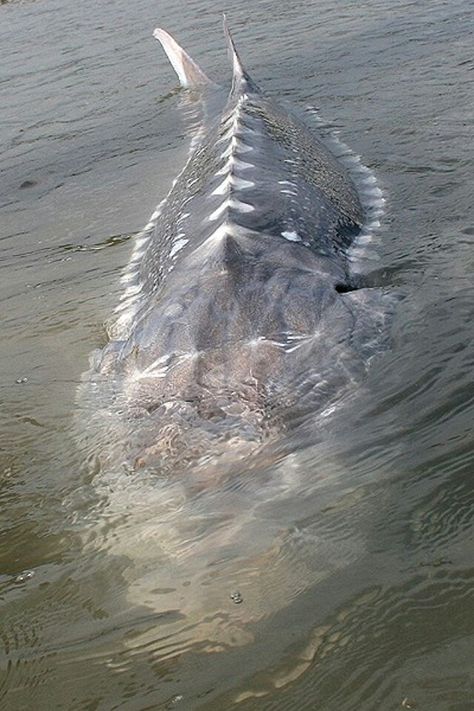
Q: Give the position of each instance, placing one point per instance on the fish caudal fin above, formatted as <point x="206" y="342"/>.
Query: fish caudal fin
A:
<point x="189" y="73"/>
<point x="240" y="77"/>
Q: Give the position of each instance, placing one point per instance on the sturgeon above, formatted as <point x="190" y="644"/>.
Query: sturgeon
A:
<point x="242" y="320"/>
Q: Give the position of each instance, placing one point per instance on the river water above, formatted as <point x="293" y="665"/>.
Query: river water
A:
<point x="350" y="583"/>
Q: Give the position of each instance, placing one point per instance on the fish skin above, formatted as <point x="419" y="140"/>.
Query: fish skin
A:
<point x="239" y="322"/>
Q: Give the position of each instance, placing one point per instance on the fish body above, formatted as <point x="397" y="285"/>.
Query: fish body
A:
<point x="240" y="321"/>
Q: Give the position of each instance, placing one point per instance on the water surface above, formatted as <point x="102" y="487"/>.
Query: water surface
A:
<point x="356" y="565"/>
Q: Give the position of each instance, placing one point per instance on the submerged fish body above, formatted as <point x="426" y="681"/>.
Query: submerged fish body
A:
<point x="241" y="329"/>
<point x="240" y="320"/>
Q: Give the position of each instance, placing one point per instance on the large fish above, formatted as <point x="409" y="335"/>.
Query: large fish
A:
<point x="241" y="320"/>
<point x="242" y="327"/>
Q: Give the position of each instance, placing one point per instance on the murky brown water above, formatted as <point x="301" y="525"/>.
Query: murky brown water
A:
<point x="355" y="558"/>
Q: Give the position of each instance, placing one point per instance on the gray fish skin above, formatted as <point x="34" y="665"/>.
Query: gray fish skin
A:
<point x="238" y="323"/>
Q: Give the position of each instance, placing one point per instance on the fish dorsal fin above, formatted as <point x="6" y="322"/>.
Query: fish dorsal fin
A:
<point x="189" y="73"/>
<point x="240" y="78"/>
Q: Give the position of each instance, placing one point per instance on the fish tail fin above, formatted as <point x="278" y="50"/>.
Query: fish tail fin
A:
<point x="189" y="73"/>
<point x="240" y="78"/>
